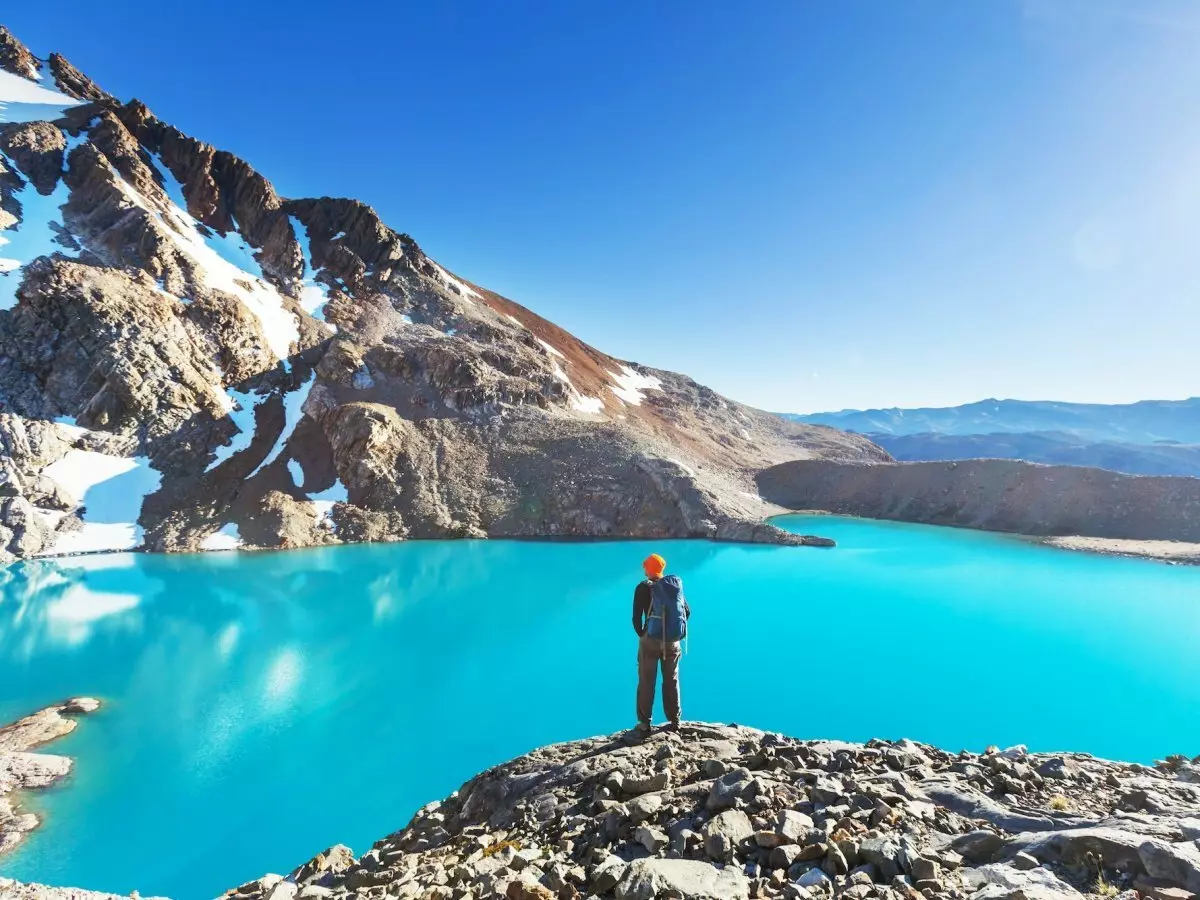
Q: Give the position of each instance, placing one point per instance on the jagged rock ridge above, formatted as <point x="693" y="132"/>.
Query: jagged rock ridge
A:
<point x="189" y="360"/>
<point x="996" y="495"/>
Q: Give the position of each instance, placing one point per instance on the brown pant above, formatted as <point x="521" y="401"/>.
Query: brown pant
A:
<point x="651" y="654"/>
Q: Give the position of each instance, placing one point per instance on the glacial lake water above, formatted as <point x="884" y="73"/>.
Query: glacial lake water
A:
<point x="261" y="707"/>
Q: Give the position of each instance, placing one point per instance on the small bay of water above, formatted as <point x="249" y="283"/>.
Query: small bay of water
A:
<point x="261" y="707"/>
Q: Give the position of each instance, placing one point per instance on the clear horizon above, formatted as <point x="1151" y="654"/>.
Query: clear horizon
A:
<point x="807" y="208"/>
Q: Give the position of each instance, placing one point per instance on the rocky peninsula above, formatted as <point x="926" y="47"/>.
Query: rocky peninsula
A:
<point x="729" y="813"/>
<point x="23" y="769"/>
<point x="1071" y="506"/>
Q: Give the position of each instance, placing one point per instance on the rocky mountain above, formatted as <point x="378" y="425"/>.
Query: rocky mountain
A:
<point x="996" y="495"/>
<point x="1051" y="447"/>
<point x="1146" y="422"/>
<point x="729" y="813"/>
<point x="189" y="360"/>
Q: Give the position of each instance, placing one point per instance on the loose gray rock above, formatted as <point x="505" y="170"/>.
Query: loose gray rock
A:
<point x="815" y="879"/>
<point x="653" y="839"/>
<point x="646" y="879"/>
<point x="792" y="826"/>
<point x="725" y="832"/>
<point x="731" y="787"/>
<point x="1000" y="882"/>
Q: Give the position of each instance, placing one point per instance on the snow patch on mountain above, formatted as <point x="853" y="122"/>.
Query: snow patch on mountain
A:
<point x="461" y="287"/>
<point x="578" y="401"/>
<point x="224" y="262"/>
<point x="24" y="100"/>
<point x="313" y="294"/>
<point x="228" y="538"/>
<point x="241" y="412"/>
<point x="551" y="349"/>
<point x="586" y="404"/>
<point x="630" y="383"/>
<point x="293" y="412"/>
<point x="110" y="491"/>
<point x="67" y="425"/>
<point x="324" y="501"/>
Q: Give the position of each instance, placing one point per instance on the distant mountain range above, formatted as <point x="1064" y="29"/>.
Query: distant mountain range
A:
<point x="1152" y="437"/>
<point x="1145" y="422"/>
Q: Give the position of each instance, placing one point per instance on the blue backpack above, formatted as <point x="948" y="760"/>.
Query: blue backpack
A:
<point x="668" y="616"/>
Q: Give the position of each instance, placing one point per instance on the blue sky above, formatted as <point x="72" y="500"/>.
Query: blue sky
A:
<point x="807" y="205"/>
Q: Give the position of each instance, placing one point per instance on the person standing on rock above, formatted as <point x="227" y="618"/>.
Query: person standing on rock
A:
<point x="660" y="616"/>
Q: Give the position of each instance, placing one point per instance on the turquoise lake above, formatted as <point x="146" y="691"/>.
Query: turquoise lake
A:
<point x="261" y="707"/>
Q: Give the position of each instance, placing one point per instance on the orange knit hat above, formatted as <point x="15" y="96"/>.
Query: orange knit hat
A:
<point x="654" y="565"/>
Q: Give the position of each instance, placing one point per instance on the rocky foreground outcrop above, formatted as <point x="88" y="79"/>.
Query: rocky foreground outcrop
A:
<point x="190" y="361"/>
<point x="728" y="813"/>
<point x="997" y="495"/>
<point x="23" y="769"/>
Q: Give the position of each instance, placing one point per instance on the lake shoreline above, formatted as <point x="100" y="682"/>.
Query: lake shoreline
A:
<point x="1171" y="552"/>
<point x="1134" y="515"/>
<point x="24" y="767"/>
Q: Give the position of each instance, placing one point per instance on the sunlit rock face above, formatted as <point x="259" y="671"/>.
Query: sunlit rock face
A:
<point x="190" y="361"/>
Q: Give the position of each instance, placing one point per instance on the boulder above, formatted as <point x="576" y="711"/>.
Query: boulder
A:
<point x="815" y="879"/>
<point x="1000" y="882"/>
<point x="791" y="826"/>
<point x="1058" y="768"/>
<point x="827" y="791"/>
<point x="725" y="832"/>
<point x="643" y="807"/>
<point x="784" y="857"/>
<point x="966" y="801"/>
<point x="653" y="839"/>
<point x="657" y="781"/>
<point x="1178" y="864"/>
<point x="606" y="874"/>
<point x="736" y="785"/>
<point x="646" y="879"/>
<point x="333" y="861"/>
<point x="884" y="854"/>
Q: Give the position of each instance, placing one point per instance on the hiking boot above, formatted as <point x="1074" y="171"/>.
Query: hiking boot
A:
<point x="674" y="726"/>
<point x="642" y="728"/>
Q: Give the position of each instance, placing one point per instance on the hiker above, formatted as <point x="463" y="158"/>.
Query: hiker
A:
<point x="660" y="615"/>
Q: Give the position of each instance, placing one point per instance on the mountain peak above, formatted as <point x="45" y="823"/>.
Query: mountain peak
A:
<point x="283" y="372"/>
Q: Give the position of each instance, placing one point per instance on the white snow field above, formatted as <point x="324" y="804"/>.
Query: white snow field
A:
<point x="227" y="538"/>
<point x="322" y="501"/>
<point x="313" y="294"/>
<point x="25" y="100"/>
<point x="241" y="410"/>
<point x="630" y="384"/>
<point x="293" y="412"/>
<point x="111" y="490"/>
